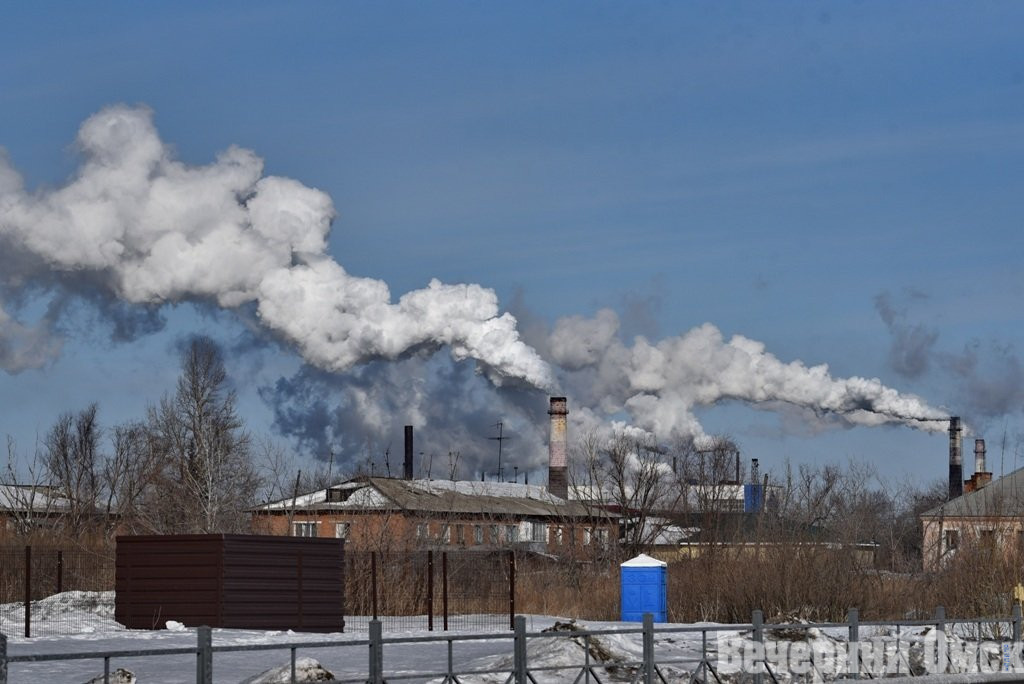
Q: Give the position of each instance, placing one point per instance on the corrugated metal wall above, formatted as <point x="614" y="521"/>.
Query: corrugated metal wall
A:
<point x="237" y="581"/>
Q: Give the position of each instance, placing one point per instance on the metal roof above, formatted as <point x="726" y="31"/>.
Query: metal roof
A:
<point x="1003" y="497"/>
<point x="439" y="496"/>
<point x="32" y="498"/>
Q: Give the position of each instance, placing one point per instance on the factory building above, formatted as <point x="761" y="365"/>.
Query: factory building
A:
<point x="400" y="513"/>
<point x="978" y="512"/>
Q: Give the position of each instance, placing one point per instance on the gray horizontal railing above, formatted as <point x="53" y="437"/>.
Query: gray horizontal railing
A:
<point x="649" y="669"/>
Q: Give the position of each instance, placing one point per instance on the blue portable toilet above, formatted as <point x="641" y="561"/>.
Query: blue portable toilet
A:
<point x="644" y="589"/>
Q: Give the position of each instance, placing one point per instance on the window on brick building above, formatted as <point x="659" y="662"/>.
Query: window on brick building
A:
<point x="304" y="529"/>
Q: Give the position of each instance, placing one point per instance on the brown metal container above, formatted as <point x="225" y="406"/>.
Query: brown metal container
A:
<point x="230" y="580"/>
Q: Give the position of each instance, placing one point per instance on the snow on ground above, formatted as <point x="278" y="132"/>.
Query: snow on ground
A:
<point x="555" y="655"/>
<point x="89" y="612"/>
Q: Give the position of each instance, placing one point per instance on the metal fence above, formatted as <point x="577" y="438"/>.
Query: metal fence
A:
<point x="49" y="584"/>
<point x="648" y="664"/>
<point x="431" y="590"/>
<point x="41" y="590"/>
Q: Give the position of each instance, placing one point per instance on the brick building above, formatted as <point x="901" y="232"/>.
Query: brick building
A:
<point x="378" y="513"/>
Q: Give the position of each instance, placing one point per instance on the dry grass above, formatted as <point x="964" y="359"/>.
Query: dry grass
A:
<point x="726" y="585"/>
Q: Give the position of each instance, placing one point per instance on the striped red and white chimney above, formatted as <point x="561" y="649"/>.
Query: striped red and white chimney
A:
<point x="558" y="480"/>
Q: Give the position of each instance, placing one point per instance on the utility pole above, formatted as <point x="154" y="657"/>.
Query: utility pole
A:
<point x="500" y="438"/>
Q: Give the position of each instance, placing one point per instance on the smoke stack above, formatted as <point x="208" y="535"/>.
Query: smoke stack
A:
<point x="754" y="470"/>
<point x="979" y="456"/>
<point x="956" y="463"/>
<point x="408" y="452"/>
<point x="558" y="483"/>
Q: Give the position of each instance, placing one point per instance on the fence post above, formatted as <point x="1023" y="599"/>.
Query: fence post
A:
<point x="648" y="639"/>
<point x="376" y="665"/>
<point x="511" y="589"/>
<point x="757" y="620"/>
<point x="852" y="643"/>
<point x="204" y="658"/>
<point x="430" y="591"/>
<point x="60" y="571"/>
<point x="28" y="591"/>
<point x="519" y="650"/>
<point x="3" y="658"/>
<point x="444" y="587"/>
<point x="373" y="582"/>
<point x="1016" y="622"/>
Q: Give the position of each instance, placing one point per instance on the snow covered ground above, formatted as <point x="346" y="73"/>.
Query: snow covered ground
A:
<point x="611" y="655"/>
<point x="556" y="656"/>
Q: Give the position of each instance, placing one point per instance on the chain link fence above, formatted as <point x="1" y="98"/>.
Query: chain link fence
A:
<point x="62" y="591"/>
<point x="50" y="591"/>
<point x="439" y="590"/>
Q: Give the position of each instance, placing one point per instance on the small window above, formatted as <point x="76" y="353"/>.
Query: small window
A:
<point x="511" y="534"/>
<point x="495" y="535"/>
<point x="478" y="534"/>
<point x="446" y="533"/>
<point x="422" y="530"/>
<point x="602" y="537"/>
<point x="557" y="533"/>
<point x="460" y="534"/>
<point x="952" y="539"/>
<point x="337" y="495"/>
<point x="587" y="534"/>
<point x="341" y="530"/>
<point x="304" y="529"/>
<point x="539" y="532"/>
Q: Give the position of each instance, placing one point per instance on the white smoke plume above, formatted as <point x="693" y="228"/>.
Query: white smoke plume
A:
<point x="146" y="229"/>
<point x="23" y="347"/>
<point x="156" y="230"/>
<point x="659" y="384"/>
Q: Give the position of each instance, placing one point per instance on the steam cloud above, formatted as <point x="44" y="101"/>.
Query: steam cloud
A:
<point x="144" y="229"/>
<point x="156" y="231"/>
<point x="659" y="384"/>
<point x="989" y="374"/>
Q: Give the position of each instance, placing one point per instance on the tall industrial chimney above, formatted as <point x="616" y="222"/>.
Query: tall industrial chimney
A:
<point x="956" y="463"/>
<point x="558" y="481"/>
<point x="408" y="453"/>
<point x="979" y="456"/>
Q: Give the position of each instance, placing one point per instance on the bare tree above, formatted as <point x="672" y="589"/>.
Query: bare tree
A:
<point x="29" y="500"/>
<point x="209" y="480"/>
<point x="72" y="462"/>
<point x="632" y="477"/>
<point x="131" y="473"/>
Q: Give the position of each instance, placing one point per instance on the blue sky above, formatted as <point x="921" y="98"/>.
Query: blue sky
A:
<point x="787" y="171"/>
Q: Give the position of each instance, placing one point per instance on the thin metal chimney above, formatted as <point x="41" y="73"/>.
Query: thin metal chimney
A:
<point x="956" y="463"/>
<point x="979" y="456"/>
<point x="408" y="453"/>
<point x="558" y="481"/>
